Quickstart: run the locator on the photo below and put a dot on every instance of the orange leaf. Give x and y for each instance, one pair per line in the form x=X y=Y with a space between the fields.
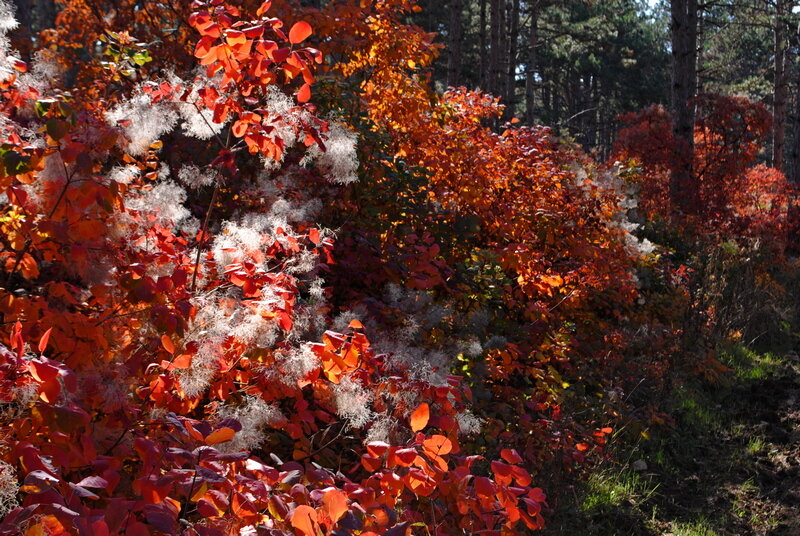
x=264 y=8
x=166 y=342
x=240 y=128
x=235 y=37
x=220 y=436
x=44 y=339
x=304 y=519
x=304 y=95
x=438 y=444
x=420 y=417
x=299 y=32
x=420 y=483
x=334 y=503
x=183 y=361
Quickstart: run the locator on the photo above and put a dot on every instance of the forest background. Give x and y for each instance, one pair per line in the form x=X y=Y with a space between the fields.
x=396 y=267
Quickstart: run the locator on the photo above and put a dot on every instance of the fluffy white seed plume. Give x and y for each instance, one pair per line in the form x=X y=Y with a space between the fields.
x=7 y=23
x=9 y=487
x=142 y=121
x=339 y=162
x=7 y=20
x=297 y=364
x=255 y=416
x=353 y=402
x=468 y=423
x=165 y=201
x=193 y=177
x=124 y=174
x=195 y=380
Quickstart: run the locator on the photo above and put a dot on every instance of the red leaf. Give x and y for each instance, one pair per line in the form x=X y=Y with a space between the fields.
x=370 y=463
x=284 y=321
x=377 y=448
x=484 y=487
x=511 y=455
x=420 y=417
x=206 y=508
x=41 y=371
x=313 y=235
x=401 y=457
x=300 y=32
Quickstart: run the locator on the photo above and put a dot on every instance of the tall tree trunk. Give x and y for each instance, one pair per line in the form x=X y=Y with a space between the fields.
x=530 y=71
x=794 y=164
x=484 y=78
x=684 y=187
x=780 y=89
x=511 y=71
x=793 y=216
x=454 y=43
x=495 y=54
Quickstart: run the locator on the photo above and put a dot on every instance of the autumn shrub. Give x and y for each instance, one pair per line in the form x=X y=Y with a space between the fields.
x=739 y=196
x=171 y=364
x=514 y=251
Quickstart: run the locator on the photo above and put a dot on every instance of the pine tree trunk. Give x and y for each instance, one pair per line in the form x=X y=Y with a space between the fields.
x=793 y=228
x=484 y=78
x=495 y=53
x=780 y=90
x=530 y=71
x=794 y=165
x=454 y=43
x=684 y=188
x=511 y=79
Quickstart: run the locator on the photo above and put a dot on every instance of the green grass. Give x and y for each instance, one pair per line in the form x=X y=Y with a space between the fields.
x=697 y=528
x=748 y=365
x=611 y=489
x=756 y=444
x=696 y=411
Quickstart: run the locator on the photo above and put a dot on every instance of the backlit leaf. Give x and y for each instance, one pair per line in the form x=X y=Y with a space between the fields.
x=299 y=32
x=420 y=417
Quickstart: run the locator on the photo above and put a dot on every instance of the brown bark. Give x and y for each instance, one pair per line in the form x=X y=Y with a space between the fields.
x=684 y=187
x=510 y=96
x=454 y=43
x=495 y=53
x=530 y=71
x=484 y=78
x=780 y=89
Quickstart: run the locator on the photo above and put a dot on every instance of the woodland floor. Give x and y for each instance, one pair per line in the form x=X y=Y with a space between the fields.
x=730 y=466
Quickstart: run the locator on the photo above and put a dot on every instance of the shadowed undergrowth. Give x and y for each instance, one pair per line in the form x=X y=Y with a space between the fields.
x=729 y=466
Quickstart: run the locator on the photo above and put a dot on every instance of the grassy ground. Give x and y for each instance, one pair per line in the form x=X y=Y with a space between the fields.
x=730 y=466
